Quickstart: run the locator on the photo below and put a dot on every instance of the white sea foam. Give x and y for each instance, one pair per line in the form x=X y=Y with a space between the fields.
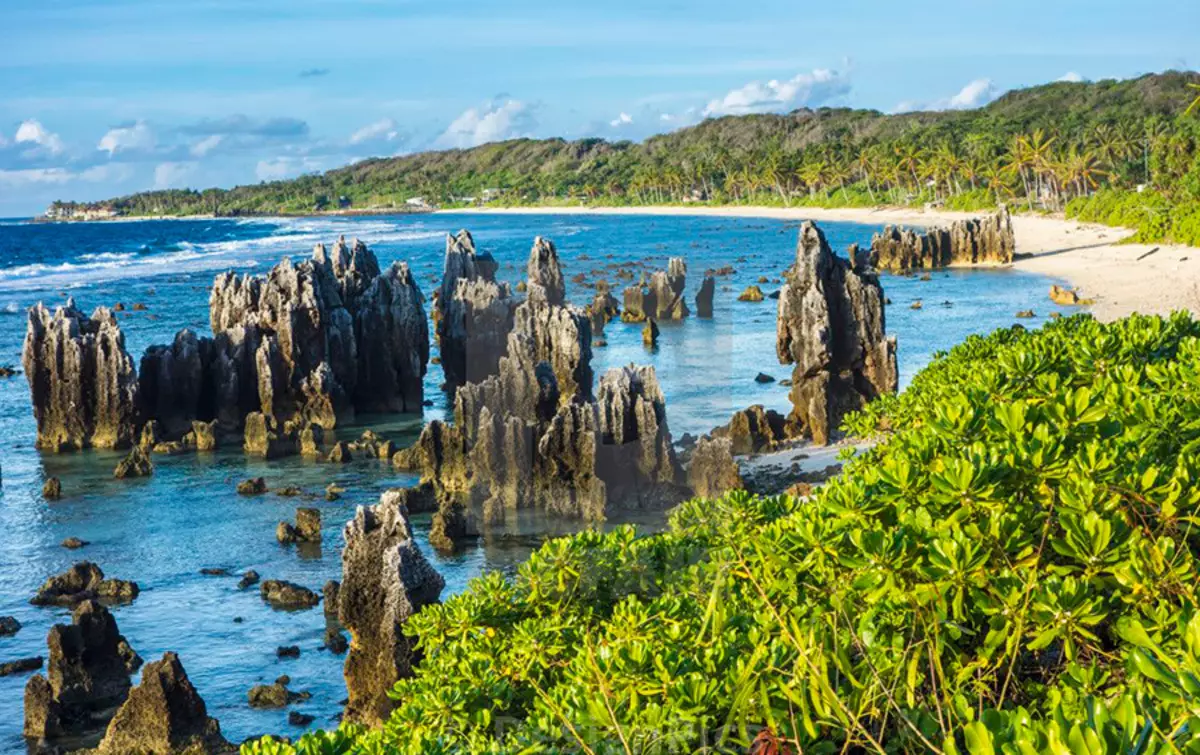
x=293 y=237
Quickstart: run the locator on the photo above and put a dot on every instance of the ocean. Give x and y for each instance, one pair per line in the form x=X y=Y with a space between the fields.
x=161 y=531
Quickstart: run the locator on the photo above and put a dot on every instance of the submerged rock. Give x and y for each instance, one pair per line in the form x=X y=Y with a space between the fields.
x=249 y=579
x=73 y=542
x=306 y=530
x=287 y=596
x=83 y=581
x=9 y=626
x=751 y=294
x=52 y=489
x=987 y=240
x=87 y=675
x=830 y=325
x=385 y=580
x=20 y=666
x=136 y=464
x=252 y=486
x=276 y=695
x=81 y=379
x=164 y=715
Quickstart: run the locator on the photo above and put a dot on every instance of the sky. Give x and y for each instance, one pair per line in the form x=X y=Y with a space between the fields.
x=100 y=98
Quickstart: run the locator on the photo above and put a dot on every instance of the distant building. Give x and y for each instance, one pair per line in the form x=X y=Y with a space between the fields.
x=344 y=202
x=490 y=195
x=417 y=203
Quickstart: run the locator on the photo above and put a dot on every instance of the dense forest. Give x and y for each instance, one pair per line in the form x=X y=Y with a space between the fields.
x=1117 y=152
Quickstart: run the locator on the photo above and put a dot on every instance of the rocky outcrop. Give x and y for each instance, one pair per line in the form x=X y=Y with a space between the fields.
x=754 y=430
x=635 y=458
x=545 y=273
x=310 y=343
x=385 y=580
x=667 y=291
x=164 y=715
x=473 y=313
x=976 y=241
x=83 y=581
x=638 y=304
x=287 y=596
x=9 y=626
x=136 y=464
x=307 y=528
x=831 y=327
x=704 y=297
x=81 y=379
x=87 y=676
x=52 y=489
x=712 y=470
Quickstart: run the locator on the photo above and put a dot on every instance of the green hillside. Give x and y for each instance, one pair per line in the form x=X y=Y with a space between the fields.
x=1081 y=147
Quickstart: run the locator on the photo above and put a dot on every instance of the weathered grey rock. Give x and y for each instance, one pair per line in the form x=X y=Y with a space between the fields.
x=249 y=579
x=385 y=579
x=9 y=626
x=667 y=288
x=392 y=343
x=287 y=596
x=164 y=715
x=253 y=486
x=205 y=435
x=83 y=581
x=635 y=458
x=704 y=297
x=306 y=530
x=264 y=436
x=171 y=382
x=751 y=294
x=754 y=430
x=545 y=273
x=86 y=675
x=341 y=453
x=81 y=379
x=275 y=695
x=712 y=470
x=639 y=304
x=136 y=464
x=329 y=595
x=72 y=543
x=650 y=334
x=52 y=489
x=450 y=525
x=987 y=240
x=831 y=327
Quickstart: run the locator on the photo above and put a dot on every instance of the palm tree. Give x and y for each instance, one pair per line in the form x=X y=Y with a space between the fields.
x=1081 y=169
x=1195 y=103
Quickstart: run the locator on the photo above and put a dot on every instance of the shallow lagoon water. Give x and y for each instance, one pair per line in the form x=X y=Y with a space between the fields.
x=161 y=531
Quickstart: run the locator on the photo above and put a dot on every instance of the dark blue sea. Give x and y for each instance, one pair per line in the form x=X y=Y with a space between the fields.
x=160 y=532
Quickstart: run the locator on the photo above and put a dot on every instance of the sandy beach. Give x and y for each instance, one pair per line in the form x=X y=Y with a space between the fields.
x=1120 y=278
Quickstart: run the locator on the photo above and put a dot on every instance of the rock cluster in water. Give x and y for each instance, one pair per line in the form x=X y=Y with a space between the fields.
x=534 y=434
x=660 y=299
x=385 y=580
x=305 y=347
x=830 y=325
x=87 y=676
x=987 y=240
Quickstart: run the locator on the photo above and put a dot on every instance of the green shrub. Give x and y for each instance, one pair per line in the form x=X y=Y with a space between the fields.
x=1010 y=569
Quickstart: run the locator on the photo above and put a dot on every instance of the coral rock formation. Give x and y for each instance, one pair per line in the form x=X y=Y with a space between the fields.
x=987 y=240
x=385 y=580
x=830 y=325
x=82 y=381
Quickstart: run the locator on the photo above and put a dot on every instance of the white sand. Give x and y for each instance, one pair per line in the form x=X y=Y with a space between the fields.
x=1087 y=256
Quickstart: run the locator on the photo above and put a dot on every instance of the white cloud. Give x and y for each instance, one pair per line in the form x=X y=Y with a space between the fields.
x=499 y=121
x=59 y=176
x=975 y=94
x=33 y=132
x=382 y=129
x=1073 y=77
x=207 y=144
x=284 y=167
x=624 y=119
x=135 y=138
x=173 y=175
x=805 y=89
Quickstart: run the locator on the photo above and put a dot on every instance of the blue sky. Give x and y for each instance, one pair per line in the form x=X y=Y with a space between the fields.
x=104 y=97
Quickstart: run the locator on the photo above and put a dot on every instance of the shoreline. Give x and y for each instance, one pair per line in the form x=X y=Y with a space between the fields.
x=1121 y=278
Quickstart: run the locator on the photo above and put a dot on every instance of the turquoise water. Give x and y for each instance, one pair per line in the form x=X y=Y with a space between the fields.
x=161 y=531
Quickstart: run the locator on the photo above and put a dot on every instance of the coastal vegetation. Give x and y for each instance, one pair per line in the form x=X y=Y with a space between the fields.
x=1117 y=152
x=1010 y=569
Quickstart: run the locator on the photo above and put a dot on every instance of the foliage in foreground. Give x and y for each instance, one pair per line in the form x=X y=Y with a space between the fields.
x=1012 y=569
